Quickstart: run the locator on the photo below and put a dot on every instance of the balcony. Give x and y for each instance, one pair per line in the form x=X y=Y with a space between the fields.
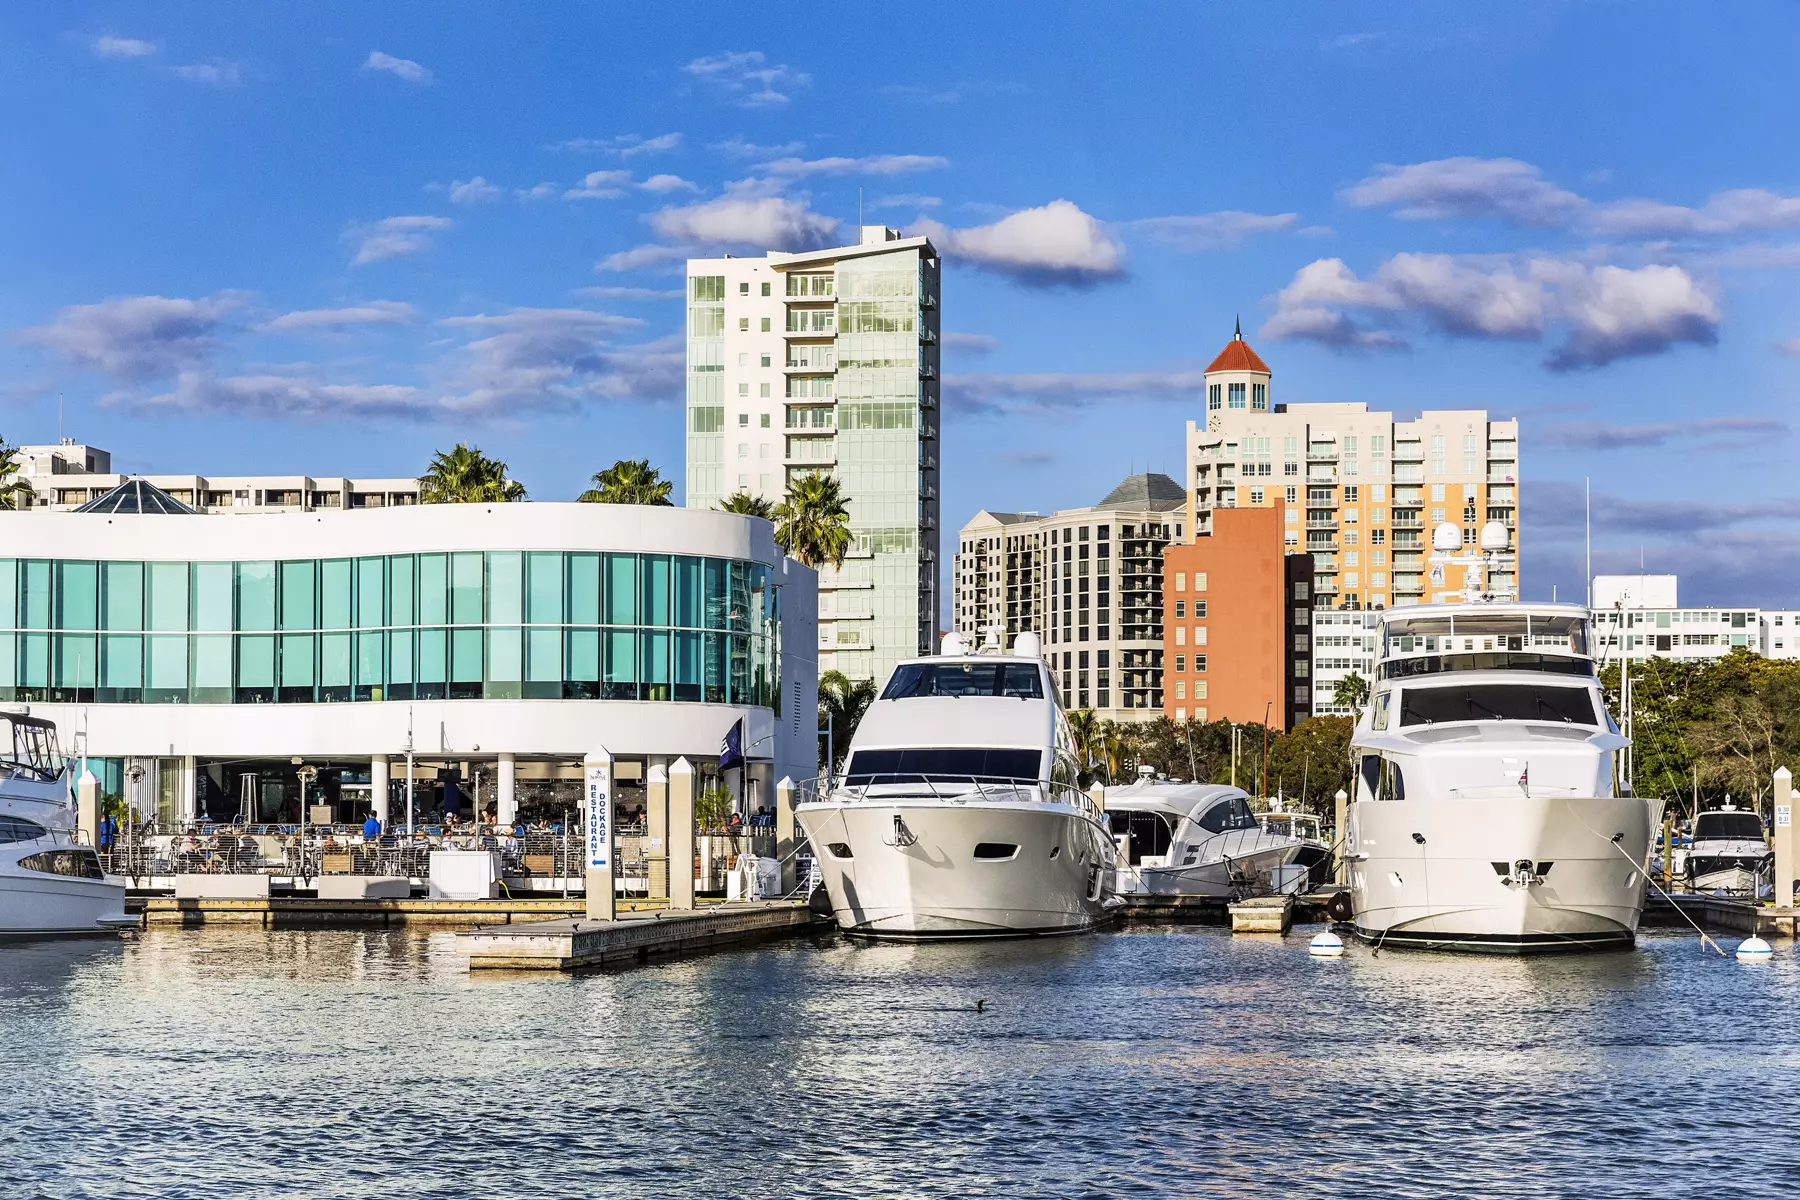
x=1320 y=454
x=1408 y=522
x=1321 y=523
x=1316 y=544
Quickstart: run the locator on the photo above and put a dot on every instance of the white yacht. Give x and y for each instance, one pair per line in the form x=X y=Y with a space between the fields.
x=1193 y=839
x=958 y=814
x=1729 y=852
x=1487 y=813
x=50 y=884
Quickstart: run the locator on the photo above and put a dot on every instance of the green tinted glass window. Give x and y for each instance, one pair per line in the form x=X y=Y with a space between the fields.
x=621 y=589
x=212 y=669
x=544 y=589
x=584 y=589
x=584 y=656
x=122 y=588
x=168 y=607
x=334 y=593
x=402 y=586
x=213 y=597
x=543 y=655
x=334 y=660
x=298 y=595
x=296 y=660
x=167 y=662
x=465 y=588
x=9 y=599
x=121 y=661
x=34 y=594
x=465 y=656
x=434 y=589
x=77 y=595
x=256 y=662
x=255 y=596
x=433 y=653
x=371 y=593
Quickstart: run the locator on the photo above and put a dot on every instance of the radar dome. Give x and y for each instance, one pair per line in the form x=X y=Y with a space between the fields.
x=1446 y=537
x=1493 y=536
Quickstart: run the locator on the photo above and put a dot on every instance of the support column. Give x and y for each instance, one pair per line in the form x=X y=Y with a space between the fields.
x=656 y=829
x=784 y=833
x=1343 y=846
x=1786 y=842
x=378 y=788
x=507 y=801
x=187 y=802
x=681 y=834
x=597 y=768
x=87 y=799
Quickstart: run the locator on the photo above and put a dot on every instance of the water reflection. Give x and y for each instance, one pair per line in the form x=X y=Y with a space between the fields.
x=1182 y=1061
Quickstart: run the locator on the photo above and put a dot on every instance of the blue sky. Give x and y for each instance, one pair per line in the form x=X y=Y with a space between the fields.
x=331 y=238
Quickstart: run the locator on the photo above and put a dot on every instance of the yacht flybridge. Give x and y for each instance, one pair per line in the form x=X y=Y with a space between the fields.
x=50 y=883
x=958 y=814
x=1488 y=812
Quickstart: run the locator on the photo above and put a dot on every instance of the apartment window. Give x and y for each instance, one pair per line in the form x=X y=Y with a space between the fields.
x=1291 y=468
x=1199 y=609
x=1256 y=495
x=1181 y=581
x=763 y=391
x=1377 y=536
x=1181 y=635
x=743 y=449
x=1437 y=515
x=1199 y=581
x=765 y=360
x=1259 y=396
x=1293 y=497
x=1235 y=398
x=1181 y=608
x=1212 y=397
x=1199 y=662
x=1181 y=661
x=1181 y=689
x=765 y=289
x=1199 y=635
x=1437 y=444
x=743 y=389
x=1350 y=494
x=765 y=416
x=743 y=324
x=743 y=289
x=1437 y=493
x=743 y=360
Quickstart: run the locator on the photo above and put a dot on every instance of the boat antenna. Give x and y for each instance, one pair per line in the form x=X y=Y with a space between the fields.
x=1588 y=496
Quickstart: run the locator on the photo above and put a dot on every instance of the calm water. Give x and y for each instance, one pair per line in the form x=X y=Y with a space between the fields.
x=1164 y=1061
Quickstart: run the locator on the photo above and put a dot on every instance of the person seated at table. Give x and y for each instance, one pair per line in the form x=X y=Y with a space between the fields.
x=372 y=828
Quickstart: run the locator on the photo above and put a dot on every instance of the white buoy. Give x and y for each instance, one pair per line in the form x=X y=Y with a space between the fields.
x=1326 y=945
x=1754 y=949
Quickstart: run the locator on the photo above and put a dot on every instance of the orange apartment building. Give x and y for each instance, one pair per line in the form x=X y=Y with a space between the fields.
x=1237 y=640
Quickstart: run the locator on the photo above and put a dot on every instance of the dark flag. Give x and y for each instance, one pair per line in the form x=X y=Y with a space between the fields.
x=731 y=751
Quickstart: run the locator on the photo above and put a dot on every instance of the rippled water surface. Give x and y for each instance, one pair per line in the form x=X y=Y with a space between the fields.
x=1172 y=1061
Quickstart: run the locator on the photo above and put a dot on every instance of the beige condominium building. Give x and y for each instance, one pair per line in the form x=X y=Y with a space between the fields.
x=827 y=362
x=1360 y=491
x=68 y=475
x=1089 y=581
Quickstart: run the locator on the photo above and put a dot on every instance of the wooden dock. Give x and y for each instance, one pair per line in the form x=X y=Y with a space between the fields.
x=305 y=912
x=1310 y=908
x=573 y=943
x=1263 y=914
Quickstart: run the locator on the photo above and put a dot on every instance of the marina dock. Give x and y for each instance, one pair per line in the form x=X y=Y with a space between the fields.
x=296 y=912
x=573 y=943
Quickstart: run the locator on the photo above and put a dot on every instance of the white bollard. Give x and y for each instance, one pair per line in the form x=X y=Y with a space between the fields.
x=1326 y=945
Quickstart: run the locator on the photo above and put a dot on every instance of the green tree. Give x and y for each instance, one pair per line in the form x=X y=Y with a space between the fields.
x=812 y=522
x=15 y=493
x=842 y=703
x=465 y=475
x=744 y=504
x=1353 y=692
x=712 y=809
x=630 y=481
x=1084 y=728
x=1310 y=762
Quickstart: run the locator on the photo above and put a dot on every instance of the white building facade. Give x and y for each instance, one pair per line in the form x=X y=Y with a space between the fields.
x=827 y=362
x=1638 y=617
x=199 y=662
x=65 y=476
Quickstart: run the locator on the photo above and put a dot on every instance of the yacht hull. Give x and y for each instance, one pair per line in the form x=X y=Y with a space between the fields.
x=33 y=904
x=1445 y=874
x=1212 y=878
x=911 y=871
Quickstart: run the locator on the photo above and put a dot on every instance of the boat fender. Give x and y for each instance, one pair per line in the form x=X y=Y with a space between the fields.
x=1339 y=908
x=819 y=903
x=1326 y=945
x=1754 y=949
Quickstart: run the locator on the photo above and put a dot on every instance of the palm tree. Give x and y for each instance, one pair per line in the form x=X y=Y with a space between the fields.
x=1109 y=745
x=629 y=481
x=1352 y=691
x=14 y=492
x=467 y=476
x=812 y=523
x=842 y=703
x=1084 y=727
x=744 y=504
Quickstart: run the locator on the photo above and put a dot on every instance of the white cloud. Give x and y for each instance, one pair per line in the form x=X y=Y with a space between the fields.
x=1791 y=346
x=663 y=184
x=738 y=147
x=769 y=222
x=984 y=393
x=1466 y=188
x=639 y=257
x=1214 y=230
x=471 y=191
x=531 y=358
x=216 y=72
x=540 y=191
x=906 y=200
x=276 y=395
x=109 y=46
x=749 y=78
x=970 y=343
x=403 y=68
x=375 y=312
x=625 y=145
x=396 y=237
x=1706 y=433
x=600 y=185
x=1604 y=313
x=872 y=164
x=135 y=338
x=1057 y=243
x=1743 y=210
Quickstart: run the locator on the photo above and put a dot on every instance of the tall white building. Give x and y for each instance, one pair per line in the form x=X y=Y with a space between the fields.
x=1638 y=617
x=1089 y=582
x=827 y=361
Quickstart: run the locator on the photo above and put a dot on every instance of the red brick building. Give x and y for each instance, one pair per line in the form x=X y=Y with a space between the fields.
x=1236 y=631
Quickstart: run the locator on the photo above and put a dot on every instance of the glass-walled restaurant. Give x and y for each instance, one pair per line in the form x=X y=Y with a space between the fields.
x=452 y=626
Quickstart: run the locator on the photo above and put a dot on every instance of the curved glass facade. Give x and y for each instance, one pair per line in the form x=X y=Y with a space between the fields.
x=460 y=626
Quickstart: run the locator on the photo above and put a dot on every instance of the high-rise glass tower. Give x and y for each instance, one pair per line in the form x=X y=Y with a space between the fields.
x=827 y=362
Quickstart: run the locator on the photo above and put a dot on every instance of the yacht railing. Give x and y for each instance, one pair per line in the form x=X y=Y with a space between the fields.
x=952 y=789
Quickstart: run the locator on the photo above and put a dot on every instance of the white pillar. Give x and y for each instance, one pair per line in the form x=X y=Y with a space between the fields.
x=188 y=803
x=656 y=830
x=1343 y=846
x=378 y=788
x=507 y=807
x=681 y=834
x=784 y=832
x=87 y=792
x=597 y=801
x=1785 y=839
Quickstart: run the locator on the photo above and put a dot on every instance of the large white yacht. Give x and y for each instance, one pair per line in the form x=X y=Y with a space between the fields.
x=50 y=884
x=959 y=814
x=1487 y=813
x=1193 y=839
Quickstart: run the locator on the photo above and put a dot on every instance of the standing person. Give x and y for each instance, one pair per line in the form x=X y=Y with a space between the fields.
x=372 y=829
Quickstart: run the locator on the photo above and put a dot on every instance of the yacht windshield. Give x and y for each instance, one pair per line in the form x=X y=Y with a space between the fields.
x=30 y=745
x=1018 y=679
x=922 y=764
x=1741 y=826
x=1496 y=702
